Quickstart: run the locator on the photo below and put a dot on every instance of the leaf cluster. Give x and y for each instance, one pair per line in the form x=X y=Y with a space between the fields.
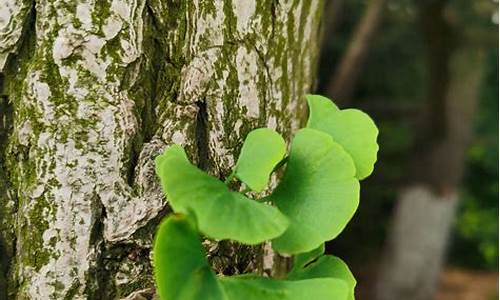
x=314 y=201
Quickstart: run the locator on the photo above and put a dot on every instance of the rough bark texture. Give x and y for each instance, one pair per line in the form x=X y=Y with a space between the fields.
x=93 y=90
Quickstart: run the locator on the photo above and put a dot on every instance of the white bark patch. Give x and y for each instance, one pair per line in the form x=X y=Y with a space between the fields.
x=271 y=123
x=237 y=126
x=196 y=75
x=111 y=28
x=24 y=133
x=244 y=11
x=219 y=152
x=143 y=294
x=179 y=138
x=247 y=62
x=209 y=27
x=13 y=14
x=83 y=13
x=63 y=46
x=268 y=258
x=40 y=92
x=122 y=8
x=76 y=90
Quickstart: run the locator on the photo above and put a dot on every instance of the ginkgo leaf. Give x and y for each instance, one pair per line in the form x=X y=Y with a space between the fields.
x=318 y=192
x=180 y=267
x=354 y=130
x=326 y=267
x=263 y=149
x=182 y=273
x=220 y=213
x=263 y=288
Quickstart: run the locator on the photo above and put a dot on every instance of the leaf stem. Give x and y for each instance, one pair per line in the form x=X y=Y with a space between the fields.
x=264 y=199
x=281 y=163
x=230 y=178
x=246 y=190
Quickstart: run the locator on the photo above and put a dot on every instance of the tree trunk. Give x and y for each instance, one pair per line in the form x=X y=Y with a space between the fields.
x=426 y=209
x=334 y=9
x=93 y=91
x=342 y=84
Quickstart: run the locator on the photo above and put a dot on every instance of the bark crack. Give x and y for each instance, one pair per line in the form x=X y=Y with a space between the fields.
x=153 y=63
x=99 y=274
x=202 y=135
x=6 y=250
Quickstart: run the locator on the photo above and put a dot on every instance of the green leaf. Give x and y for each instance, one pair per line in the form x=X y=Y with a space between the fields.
x=263 y=149
x=263 y=288
x=351 y=128
x=302 y=259
x=180 y=267
x=326 y=267
x=318 y=192
x=220 y=213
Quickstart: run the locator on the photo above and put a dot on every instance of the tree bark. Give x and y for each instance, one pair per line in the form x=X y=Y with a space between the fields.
x=93 y=91
x=426 y=207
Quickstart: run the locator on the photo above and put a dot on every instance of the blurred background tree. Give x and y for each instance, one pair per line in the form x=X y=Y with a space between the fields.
x=475 y=243
x=410 y=64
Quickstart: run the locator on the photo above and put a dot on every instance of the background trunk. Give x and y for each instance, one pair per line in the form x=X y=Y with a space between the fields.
x=341 y=85
x=332 y=16
x=425 y=213
x=93 y=91
x=426 y=207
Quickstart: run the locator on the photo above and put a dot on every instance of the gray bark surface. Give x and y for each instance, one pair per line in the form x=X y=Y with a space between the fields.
x=92 y=91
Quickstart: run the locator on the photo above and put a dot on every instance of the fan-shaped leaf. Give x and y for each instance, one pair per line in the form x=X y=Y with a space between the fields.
x=326 y=267
x=351 y=128
x=180 y=267
x=263 y=149
x=220 y=213
x=271 y=289
x=318 y=192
